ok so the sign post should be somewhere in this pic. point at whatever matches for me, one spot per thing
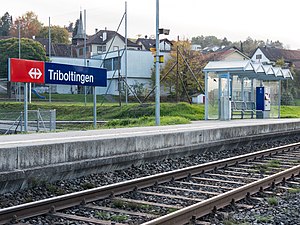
(26, 71)
(29, 71)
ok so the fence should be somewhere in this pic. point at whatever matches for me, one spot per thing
(38, 121)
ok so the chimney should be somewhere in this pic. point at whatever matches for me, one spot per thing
(96, 30)
(242, 48)
(104, 36)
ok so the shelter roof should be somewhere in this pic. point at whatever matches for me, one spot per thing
(250, 69)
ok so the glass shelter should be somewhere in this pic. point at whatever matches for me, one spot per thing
(243, 89)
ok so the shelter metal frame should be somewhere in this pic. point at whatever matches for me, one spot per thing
(243, 69)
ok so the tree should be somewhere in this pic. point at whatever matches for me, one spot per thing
(209, 41)
(29, 25)
(75, 28)
(184, 76)
(225, 42)
(5, 24)
(59, 35)
(249, 45)
(30, 49)
(70, 27)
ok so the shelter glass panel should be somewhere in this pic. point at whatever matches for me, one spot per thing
(247, 90)
(213, 96)
(274, 93)
(236, 88)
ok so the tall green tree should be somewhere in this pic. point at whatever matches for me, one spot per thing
(30, 49)
(5, 24)
(70, 27)
(75, 28)
(29, 24)
(59, 35)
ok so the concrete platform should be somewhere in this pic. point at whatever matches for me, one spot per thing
(63, 155)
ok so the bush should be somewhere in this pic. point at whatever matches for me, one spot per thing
(287, 99)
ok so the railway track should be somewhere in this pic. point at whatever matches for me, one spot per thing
(175, 197)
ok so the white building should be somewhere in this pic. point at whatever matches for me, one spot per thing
(106, 49)
(139, 69)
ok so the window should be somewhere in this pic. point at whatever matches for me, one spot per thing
(258, 56)
(111, 64)
(108, 64)
(116, 63)
(101, 48)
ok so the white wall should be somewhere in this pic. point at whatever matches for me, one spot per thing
(76, 61)
(140, 64)
(234, 56)
(263, 59)
(164, 46)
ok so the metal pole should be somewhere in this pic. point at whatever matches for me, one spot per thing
(95, 107)
(279, 97)
(126, 55)
(49, 57)
(29, 93)
(206, 96)
(119, 78)
(26, 107)
(84, 51)
(177, 76)
(157, 75)
(19, 85)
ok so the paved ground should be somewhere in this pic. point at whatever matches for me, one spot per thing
(59, 137)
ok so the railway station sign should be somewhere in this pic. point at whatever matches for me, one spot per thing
(31, 71)
(27, 71)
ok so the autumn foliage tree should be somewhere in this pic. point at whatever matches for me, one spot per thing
(186, 75)
(29, 24)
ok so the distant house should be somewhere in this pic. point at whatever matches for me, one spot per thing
(101, 42)
(198, 98)
(269, 55)
(58, 50)
(148, 44)
(225, 54)
(104, 41)
(196, 47)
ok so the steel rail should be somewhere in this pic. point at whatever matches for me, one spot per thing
(205, 207)
(65, 201)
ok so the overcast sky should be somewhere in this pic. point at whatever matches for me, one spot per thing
(234, 19)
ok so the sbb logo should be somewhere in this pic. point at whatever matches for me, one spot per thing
(27, 71)
(35, 73)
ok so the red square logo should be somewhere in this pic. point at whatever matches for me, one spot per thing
(27, 71)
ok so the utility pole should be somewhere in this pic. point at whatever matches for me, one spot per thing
(50, 91)
(126, 55)
(157, 75)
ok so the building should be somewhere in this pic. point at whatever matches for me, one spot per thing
(225, 54)
(270, 55)
(148, 44)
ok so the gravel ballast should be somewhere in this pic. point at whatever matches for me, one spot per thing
(46, 190)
